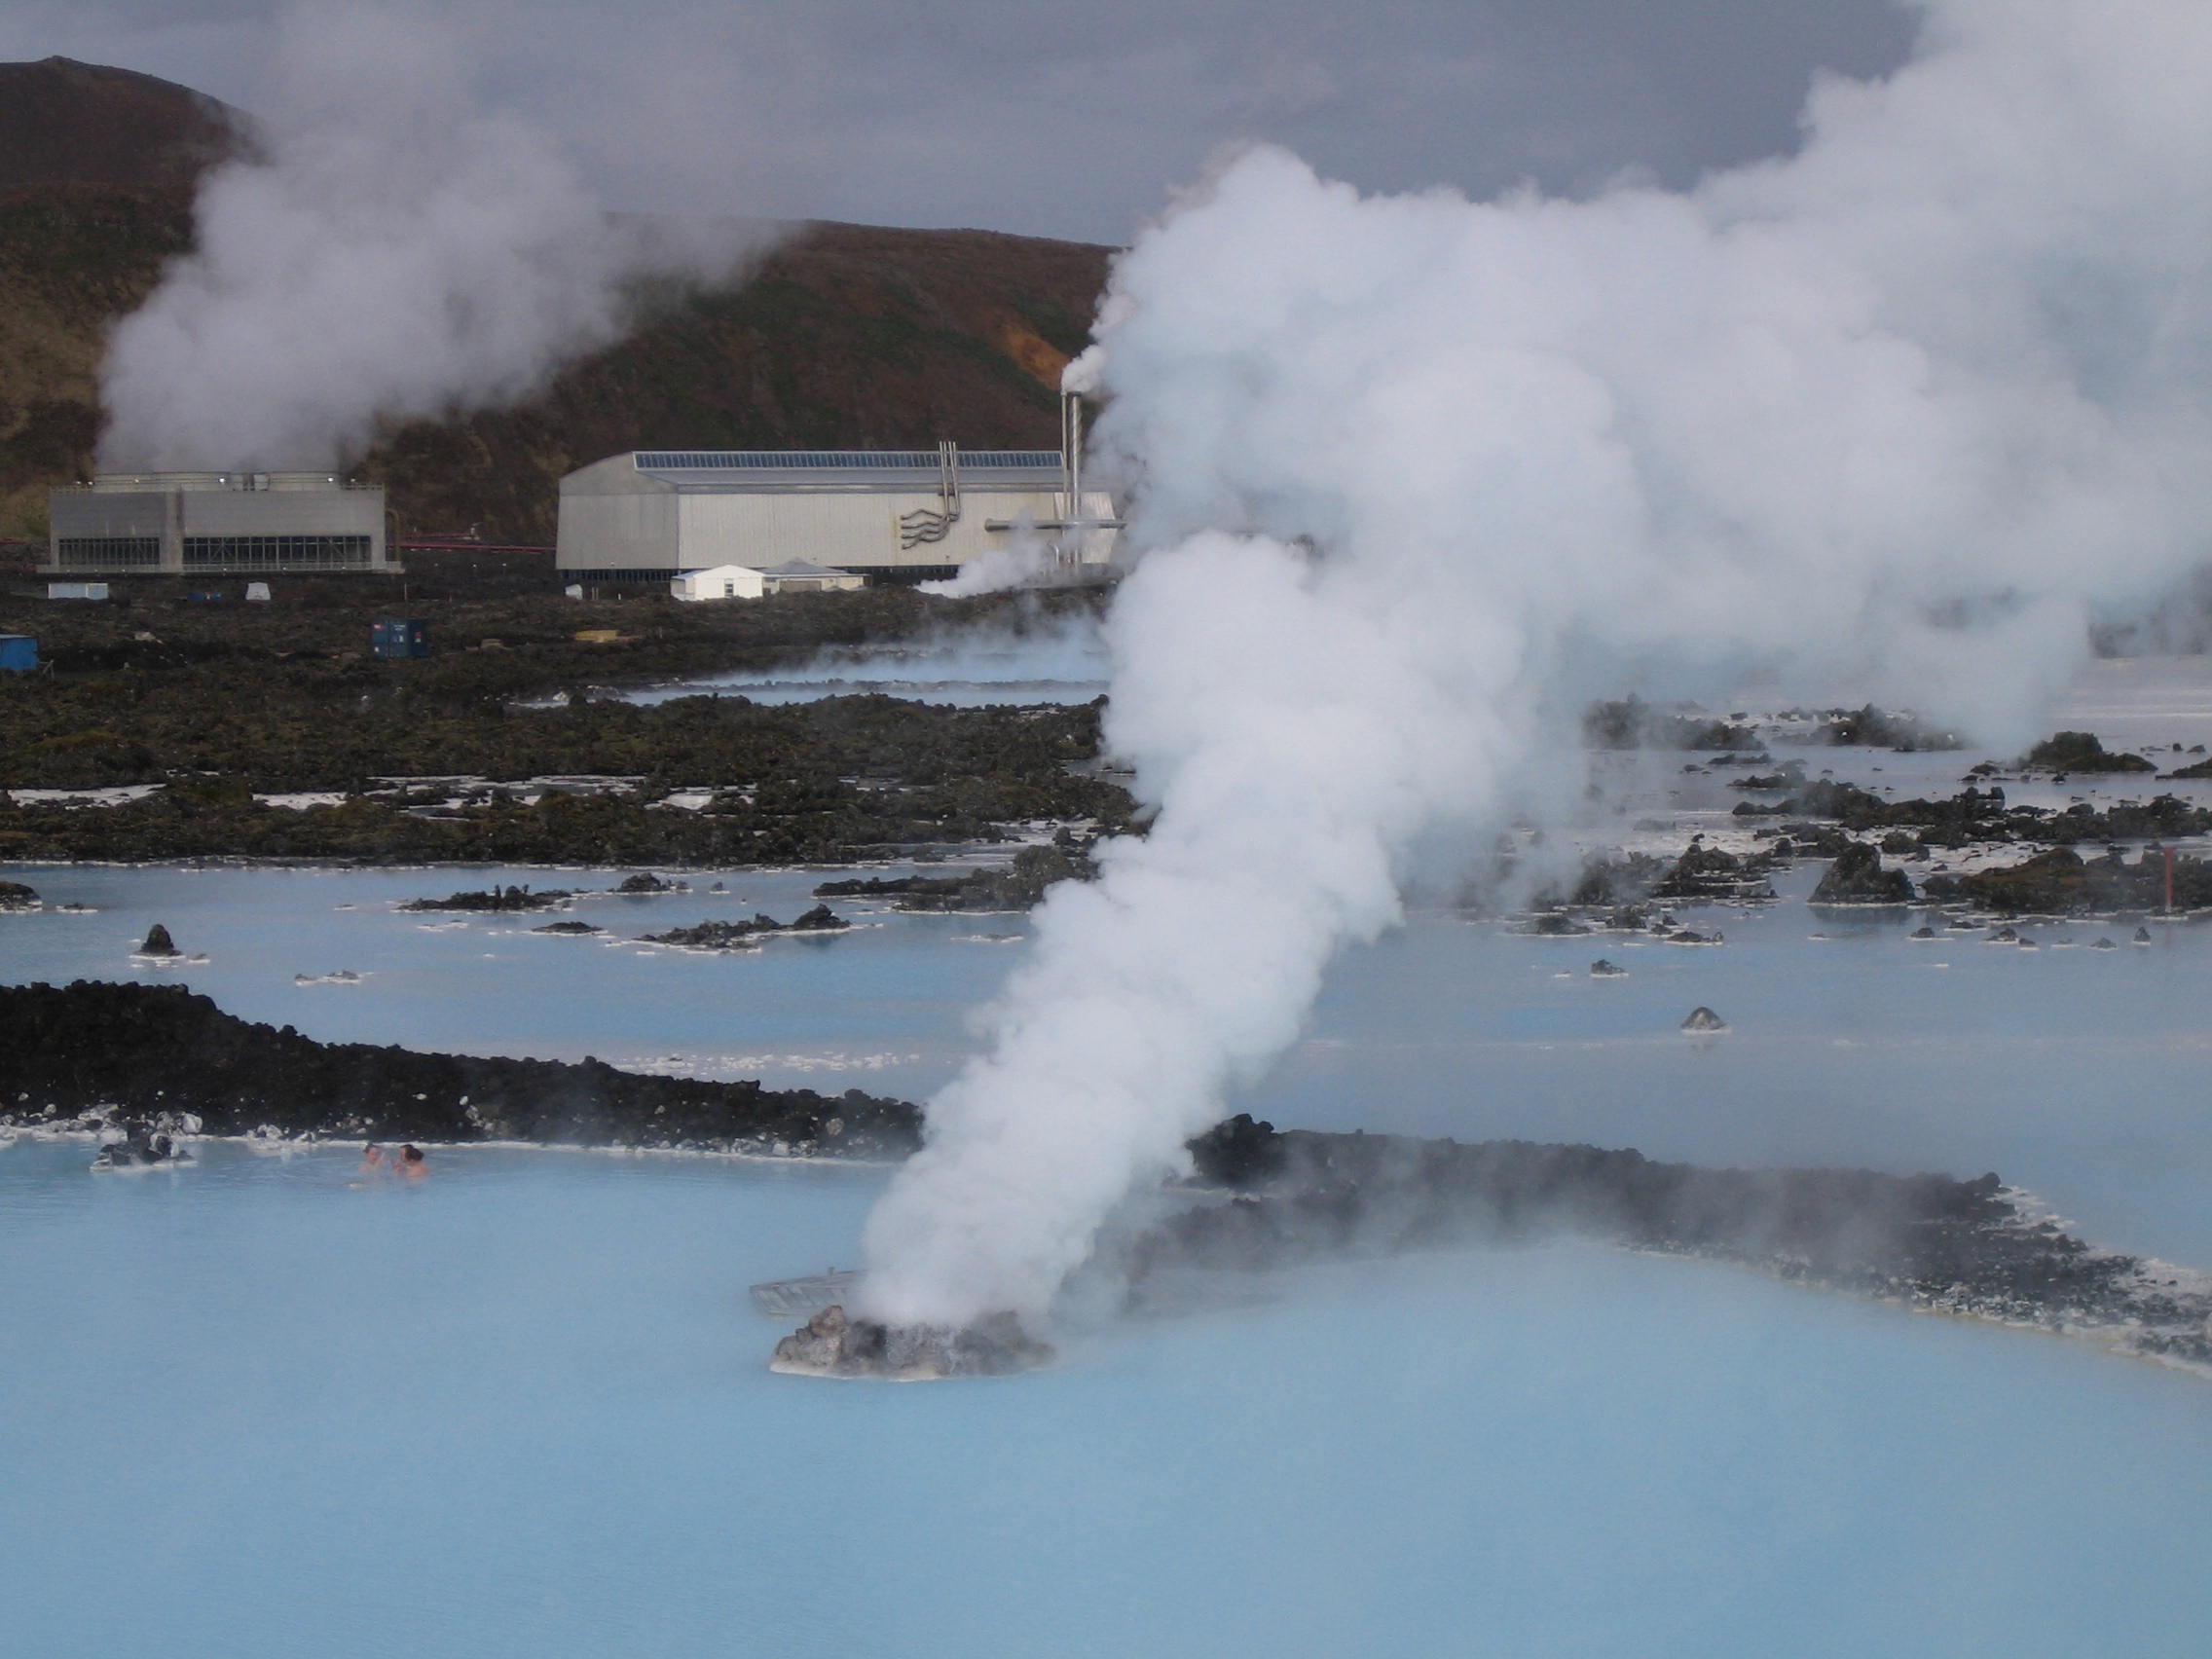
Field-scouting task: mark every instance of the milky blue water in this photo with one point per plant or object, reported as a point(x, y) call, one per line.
point(253, 1409)
point(2074, 1071)
point(521, 1411)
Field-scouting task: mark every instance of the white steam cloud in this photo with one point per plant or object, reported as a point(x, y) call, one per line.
point(395, 251)
point(1027, 560)
point(1418, 474)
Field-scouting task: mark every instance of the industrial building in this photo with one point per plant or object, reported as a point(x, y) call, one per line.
point(207, 524)
point(643, 518)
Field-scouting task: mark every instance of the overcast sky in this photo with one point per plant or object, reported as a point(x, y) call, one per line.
point(1050, 118)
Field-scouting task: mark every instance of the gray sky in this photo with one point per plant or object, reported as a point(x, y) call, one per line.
point(1060, 119)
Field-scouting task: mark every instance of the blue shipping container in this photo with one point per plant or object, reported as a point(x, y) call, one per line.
point(19, 653)
point(401, 638)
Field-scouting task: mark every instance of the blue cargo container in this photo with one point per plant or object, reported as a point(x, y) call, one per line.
point(401, 638)
point(19, 653)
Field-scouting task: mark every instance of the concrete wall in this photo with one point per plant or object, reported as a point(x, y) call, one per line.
point(214, 505)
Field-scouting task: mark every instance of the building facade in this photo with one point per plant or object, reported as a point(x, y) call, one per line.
point(206, 524)
point(890, 515)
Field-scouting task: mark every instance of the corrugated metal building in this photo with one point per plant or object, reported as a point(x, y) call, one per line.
point(891, 515)
point(216, 524)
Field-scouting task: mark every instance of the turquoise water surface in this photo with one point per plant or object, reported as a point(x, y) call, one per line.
point(521, 1410)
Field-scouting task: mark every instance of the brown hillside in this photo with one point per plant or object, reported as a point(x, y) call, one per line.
point(845, 336)
point(63, 122)
point(73, 258)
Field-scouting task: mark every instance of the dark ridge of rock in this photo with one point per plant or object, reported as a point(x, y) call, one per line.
point(146, 1144)
point(159, 943)
point(2060, 882)
point(1808, 840)
point(1704, 1019)
point(496, 901)
point(2103, 945)
point(1602, 968)
point(578, 928)
point(1929, 1240)
point(1633, 724)
point(124, 1052)
point(2083, 752)
point(1857, 877)
point(1709, 873)
point(1615, 882)
point(1880, 728)
point(14, 896)
point(743, 935)
point(1826, 798)
point(1555, 924)
point(647, 882)
point(2142, 936)
point(1922, 934)
point(1791, 776)
point(1016, 887)
point(833, 1344)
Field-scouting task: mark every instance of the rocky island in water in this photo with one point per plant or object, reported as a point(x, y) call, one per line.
point(132, 1061)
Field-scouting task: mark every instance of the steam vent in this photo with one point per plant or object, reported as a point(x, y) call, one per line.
point(833, 1344)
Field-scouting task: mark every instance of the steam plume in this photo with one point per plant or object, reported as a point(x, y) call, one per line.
point(1418, 474)
point(393, 251)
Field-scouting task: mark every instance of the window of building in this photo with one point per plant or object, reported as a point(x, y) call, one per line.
point(275, 552)
point(110, 552)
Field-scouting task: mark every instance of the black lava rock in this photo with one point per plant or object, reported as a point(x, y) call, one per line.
point(1857, 877)
point(136, 1051)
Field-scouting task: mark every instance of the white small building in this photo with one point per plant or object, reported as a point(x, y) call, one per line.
point(746, 581)
point(646, 517)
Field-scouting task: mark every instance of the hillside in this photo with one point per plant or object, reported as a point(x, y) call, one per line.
point(63, 122)
point(846, 334)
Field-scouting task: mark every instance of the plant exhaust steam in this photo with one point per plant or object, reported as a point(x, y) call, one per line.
point(1418, 475)
point(393, 251)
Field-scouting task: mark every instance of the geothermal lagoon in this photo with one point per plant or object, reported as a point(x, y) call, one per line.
point(257, 1407)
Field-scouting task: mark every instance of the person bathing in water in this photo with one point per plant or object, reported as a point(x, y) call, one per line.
point(411, 1163)
point(372, 1159)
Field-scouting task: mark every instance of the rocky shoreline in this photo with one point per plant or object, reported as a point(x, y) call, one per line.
point(105, 1056)
point(115, 1059)
point(1930, 1243)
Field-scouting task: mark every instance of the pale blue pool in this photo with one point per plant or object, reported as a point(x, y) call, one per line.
point(248, 1408)
point(521, 1411)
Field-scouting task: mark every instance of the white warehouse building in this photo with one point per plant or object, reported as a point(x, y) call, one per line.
point(891, 515)
point(195, 523)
